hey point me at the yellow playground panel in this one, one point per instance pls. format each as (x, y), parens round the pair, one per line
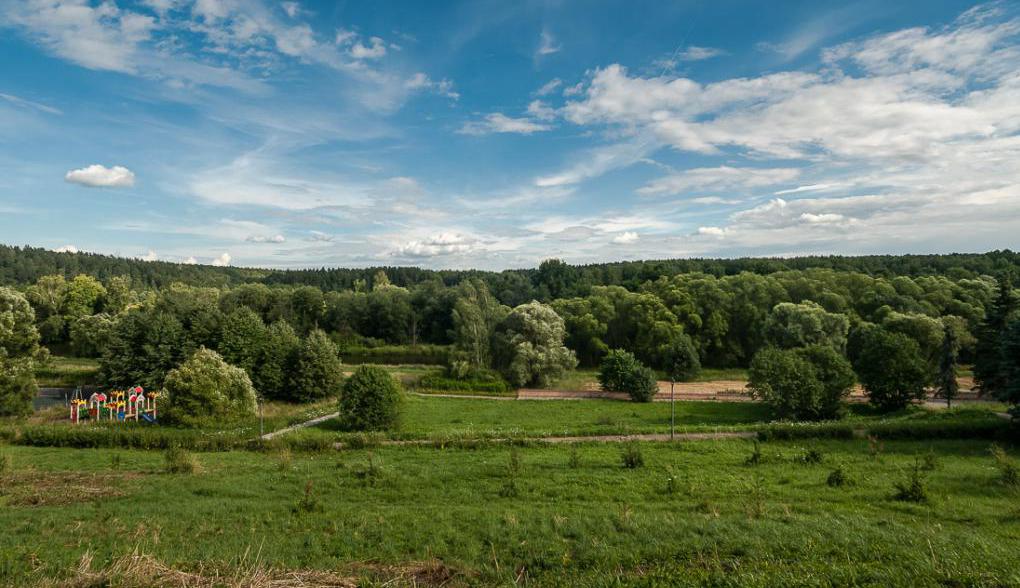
(118, 405)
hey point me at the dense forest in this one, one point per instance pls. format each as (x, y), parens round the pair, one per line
(143, 319)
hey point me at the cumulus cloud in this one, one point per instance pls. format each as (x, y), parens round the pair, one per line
(497, 122)
(67, 249)
(222, 261)
(266, 239)
(422, 82)
(625, 238)
(99, 176)
(374, 50)
(436, 245)
(150, 255)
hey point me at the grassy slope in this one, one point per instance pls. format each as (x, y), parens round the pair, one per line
(727, 523)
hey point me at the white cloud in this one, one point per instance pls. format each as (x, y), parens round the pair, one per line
(375, 49)
(549, 87)
(191, 260)
(712, 231)
(99, 176)
(17, 101)
(150, 255)
(266, 239)
(293, 9)
(547, 44)
(222, 261)
(541, 110)
(695, 53)
(498, 122)
(625, 238)
(597, 161)
(719, 178)
(421, 81)
(436, 245)
(67, 249)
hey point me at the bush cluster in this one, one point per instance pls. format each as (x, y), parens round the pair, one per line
(370, 400)
(620, 371)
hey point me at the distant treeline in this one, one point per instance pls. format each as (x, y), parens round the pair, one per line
(552, 279)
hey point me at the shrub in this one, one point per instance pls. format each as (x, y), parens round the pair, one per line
(370, 400)
(913, 488)
(6, 463)
(892, 369)
(812, 456)
(17, 385)
(178, 460)
(620, 371)
(681, 359)
(807, 384)
(482, 382)
(206, 387)
(513, 471)
(574, 461)
(631, 456)
(838, 478)
(319, 373)
(756, 456)
(1009, 474)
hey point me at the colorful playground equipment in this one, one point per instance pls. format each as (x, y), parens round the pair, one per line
(118, 405)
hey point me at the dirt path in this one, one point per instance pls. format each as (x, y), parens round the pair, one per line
(596, 438)
(310, 423)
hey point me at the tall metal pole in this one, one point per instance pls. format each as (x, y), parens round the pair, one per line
(672, 411)
(262, 428)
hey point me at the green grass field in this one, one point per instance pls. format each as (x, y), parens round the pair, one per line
(694, 514)
(67, 372)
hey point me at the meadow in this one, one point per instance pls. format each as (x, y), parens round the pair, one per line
(693, 514)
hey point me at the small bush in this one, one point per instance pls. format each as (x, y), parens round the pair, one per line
(284, 460)
(308, 502)
(672, 480)
(370, 472)
(930, 461)
(756, 456)
(370, 400)
(631, 456)
(6, 463)
(180, 461)
(620, 371)
(513, 469)
(1009, 474)
(838, 478)
(913, 488)
(115, 461)
(574, 461)
(812, 456)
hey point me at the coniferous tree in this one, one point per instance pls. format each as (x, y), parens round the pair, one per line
(947, 384)
(988, 369)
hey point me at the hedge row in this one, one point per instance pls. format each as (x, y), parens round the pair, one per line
(967, 429)
(397, 354)
(441, 383)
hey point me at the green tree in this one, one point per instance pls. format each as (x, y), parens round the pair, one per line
(947, 384)
(207, 388)
(892, 369)
(118, 294)
(529, 347)
(90, 335)
(799, 325)
(19, 350)
(243, 337)
(475, 316)
(787, 382)
(836, 375)
(144, 345)
(277, 360)
(318, 373)
(681, 359)
(83, 298)
(620, 371)
(370, 400)
(989, 374)
(1010, 365)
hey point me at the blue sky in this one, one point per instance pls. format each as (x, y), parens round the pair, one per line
(497, 134)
